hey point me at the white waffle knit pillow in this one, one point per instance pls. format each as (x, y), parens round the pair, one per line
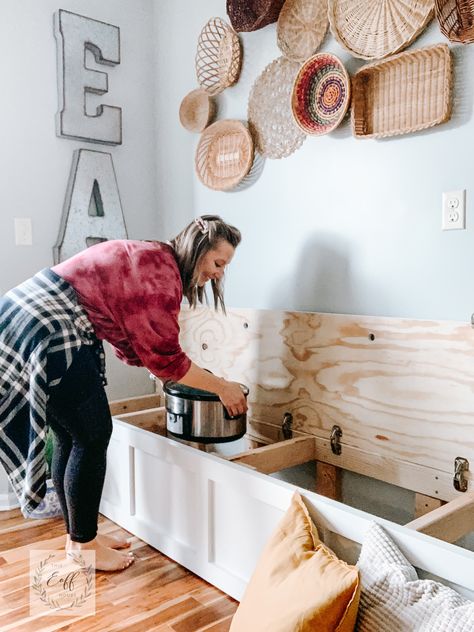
(393, 599)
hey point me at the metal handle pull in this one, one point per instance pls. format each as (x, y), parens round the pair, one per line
(286, 426)
(461, 466)
(336, 436)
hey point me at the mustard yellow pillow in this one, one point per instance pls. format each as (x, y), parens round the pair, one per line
(299, 584)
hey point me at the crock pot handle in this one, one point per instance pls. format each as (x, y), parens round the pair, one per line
(229, 417)
(226, 414)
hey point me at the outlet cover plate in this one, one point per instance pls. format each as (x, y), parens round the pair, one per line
(454, 210)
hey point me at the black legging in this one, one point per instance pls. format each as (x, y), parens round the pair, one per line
(79, 416)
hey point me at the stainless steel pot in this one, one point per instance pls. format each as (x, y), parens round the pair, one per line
(196, 415)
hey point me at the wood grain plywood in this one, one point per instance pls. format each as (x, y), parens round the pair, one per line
(402, 389)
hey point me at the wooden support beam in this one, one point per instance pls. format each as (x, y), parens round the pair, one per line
(450, 522)
(278, 456)
(418, 478)
(426, 504)
(329, 480)
(132, 404)
(153, 419)
(252, 444)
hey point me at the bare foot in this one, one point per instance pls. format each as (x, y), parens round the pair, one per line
(112, 542)
(106, 559)
(107, 540)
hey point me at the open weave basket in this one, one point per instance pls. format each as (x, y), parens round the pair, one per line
(271, 122)
(251, 15)
(224, 154)
(302, 25)
(408, 92)
(456, 19)
(218, 56)
(373, 29)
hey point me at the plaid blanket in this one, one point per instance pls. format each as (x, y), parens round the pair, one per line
(42, 325)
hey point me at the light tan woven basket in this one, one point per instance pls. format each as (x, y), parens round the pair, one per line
(218, 56)
(372, 29)
(302, 25)
(196, 110)
(406, 93)
(224, 154)
(456, 19)
(271, 121)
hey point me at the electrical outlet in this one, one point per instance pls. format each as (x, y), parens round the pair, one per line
(454, 210)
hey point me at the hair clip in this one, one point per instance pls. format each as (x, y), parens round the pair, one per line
(202, 224)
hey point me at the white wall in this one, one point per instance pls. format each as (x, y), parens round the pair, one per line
(343, 225)
(35, 163)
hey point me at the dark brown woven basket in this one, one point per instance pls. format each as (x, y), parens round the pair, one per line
(456, 19)
(251, 15)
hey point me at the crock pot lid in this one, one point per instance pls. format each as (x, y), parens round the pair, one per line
(188, 392)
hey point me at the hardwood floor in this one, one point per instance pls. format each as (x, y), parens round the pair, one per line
(153, 594)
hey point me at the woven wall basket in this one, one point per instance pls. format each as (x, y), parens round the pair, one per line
(196, 110)
(321, 94)
(302, 25)
(218, 56)
(408, 92)
(372, 29)
(251, 15)
(271, 122)
(456, 19)
(224, 154)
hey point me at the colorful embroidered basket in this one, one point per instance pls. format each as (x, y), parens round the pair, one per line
(321, 94)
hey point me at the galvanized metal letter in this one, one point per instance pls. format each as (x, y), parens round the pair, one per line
(92, 209)
(75, 35)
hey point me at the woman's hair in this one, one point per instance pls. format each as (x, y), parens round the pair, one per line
(191, 244)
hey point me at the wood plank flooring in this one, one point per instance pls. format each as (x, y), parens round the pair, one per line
(153, 594)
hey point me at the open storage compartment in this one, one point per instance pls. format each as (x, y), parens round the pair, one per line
(386, 398)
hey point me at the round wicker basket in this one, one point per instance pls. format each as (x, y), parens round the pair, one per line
(196, 110)
(302, 25)
(456, 19)
(218, 56)
(251, 15)
(321, 94)
(224, 154)
(271, 122)
(371, 29)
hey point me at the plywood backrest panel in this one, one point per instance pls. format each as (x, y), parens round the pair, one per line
(401, 389)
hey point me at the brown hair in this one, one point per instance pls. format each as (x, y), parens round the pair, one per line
(192, 243)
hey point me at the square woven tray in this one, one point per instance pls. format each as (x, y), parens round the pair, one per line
(408, 92)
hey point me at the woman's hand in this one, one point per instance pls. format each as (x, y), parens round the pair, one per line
(230, 393)
(233, 398)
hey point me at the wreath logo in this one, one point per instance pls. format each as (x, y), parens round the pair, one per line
(63, 585)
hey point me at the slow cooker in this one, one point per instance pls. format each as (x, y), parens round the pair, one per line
(196, 415)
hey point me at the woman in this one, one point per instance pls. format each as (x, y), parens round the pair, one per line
(52, 361)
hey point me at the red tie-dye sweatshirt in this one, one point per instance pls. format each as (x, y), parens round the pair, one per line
(132, 292)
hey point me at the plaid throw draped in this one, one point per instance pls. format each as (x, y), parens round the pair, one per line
(41, 327)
